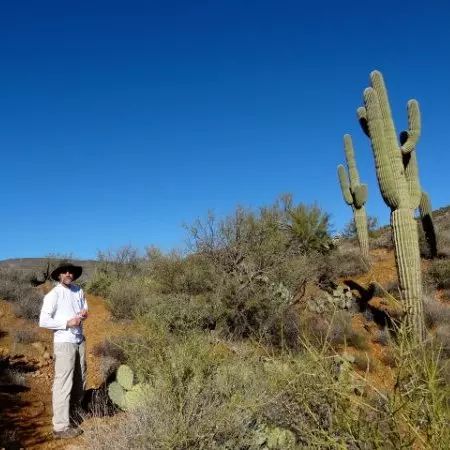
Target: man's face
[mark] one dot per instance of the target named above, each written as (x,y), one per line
(66,278)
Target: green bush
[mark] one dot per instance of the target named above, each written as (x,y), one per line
(175,273)
(259,263)
(126,297)
(99,284)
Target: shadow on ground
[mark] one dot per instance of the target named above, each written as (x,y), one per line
(13,430)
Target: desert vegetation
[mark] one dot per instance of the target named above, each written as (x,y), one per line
(249,342)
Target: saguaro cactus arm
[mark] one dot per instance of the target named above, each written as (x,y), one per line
(350,158)
(414,128)
(362,119)
(345,186)
(360,194)
(426,214)
(408,140)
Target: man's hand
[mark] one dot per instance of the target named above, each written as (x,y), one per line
(83,314)
(74,322)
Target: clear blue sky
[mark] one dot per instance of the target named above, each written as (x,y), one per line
(119,121)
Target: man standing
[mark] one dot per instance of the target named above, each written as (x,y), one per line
(63,310)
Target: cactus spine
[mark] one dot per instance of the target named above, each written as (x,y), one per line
(355,195)
(397,175)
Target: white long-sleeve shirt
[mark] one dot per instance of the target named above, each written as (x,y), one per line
(60,305)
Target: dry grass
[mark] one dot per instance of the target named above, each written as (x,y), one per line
(248,398)
(436,313)
(439,273)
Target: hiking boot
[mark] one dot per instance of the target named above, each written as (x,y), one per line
(68,433)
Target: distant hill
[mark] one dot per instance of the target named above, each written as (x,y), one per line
(38,265)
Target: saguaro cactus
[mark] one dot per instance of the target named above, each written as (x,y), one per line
(355,195)
(398,179)
(426,215)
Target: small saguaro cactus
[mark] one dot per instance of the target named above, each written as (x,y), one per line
(355,195)
(398,179)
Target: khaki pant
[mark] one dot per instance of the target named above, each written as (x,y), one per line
(69,383)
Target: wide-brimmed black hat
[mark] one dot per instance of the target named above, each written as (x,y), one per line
(76,271)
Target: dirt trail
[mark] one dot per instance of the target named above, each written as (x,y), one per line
(28,413)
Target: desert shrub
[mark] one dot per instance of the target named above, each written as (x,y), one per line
(308,226)
(126,297)
(348,263)
(259,263)
(442,339)
(24,336)
(202,397)
(439,273)
(179,313)
(122,263)
(435,312)
(29,304)
(176,273)
(99,284)
(13,283)
(443,238)
(109,348)
(342,333)
(383,240)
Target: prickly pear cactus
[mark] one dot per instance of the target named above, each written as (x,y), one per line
(355,195)
(125,377)
(137,396)
(117,395)
(398,180)
(124,394)
(341,298)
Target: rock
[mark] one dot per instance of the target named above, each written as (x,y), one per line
(47,356)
